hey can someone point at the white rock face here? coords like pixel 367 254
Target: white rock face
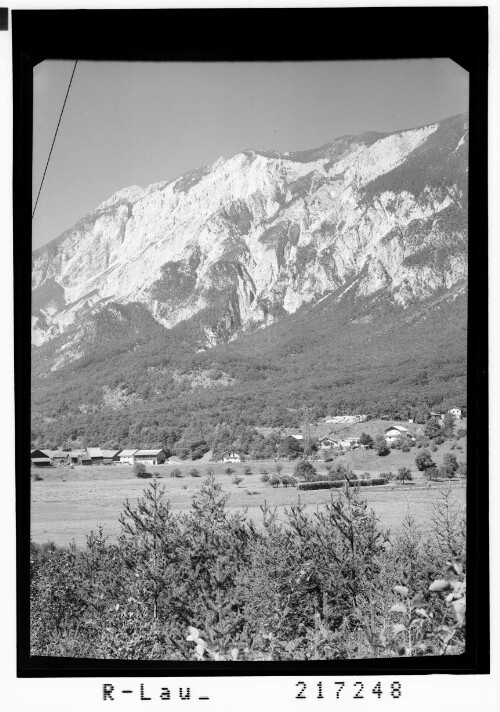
pixel 261 231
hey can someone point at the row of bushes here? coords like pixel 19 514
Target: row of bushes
pixel 333 484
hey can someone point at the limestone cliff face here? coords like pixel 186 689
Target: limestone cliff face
pixel 255 236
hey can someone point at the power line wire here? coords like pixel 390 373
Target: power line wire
pixel 54 139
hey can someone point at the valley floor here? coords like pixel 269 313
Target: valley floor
pixel 68 503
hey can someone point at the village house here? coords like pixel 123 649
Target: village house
pixel 396 432
pixel 456 413
pixel 40 459
pixel 108 456
pixel 126 457
pixel 328 443
pixel 95 454
pixel 231 456
pixel 75 456
pixel 58 457
pixel 151 457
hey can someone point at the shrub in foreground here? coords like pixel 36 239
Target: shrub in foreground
pixel 209 585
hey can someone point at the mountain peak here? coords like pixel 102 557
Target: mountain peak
pixel 239 244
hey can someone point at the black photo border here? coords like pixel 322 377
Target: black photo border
pixel 459 33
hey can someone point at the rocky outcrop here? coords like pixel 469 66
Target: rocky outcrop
pixel 260 234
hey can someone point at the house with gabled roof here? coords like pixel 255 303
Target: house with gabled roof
pixel 108 456
pixel 95 454
pixel 39 458
pixel 76 455
pixel 396 432
pixel 58 457
pixel 328 443
pixel 151 457
pixel 126 457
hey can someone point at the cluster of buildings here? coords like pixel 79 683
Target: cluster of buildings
pixel 391 434
pixel 346 418
pixel 96 456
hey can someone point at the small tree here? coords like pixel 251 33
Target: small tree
pixel 449 466
pixel 194 472
pixel 432 428
pixel 424 461
pixel 176 472
pixel 431 472
pixel 305 470
pixel 340 472
pixel 448 425
pixel 236 480
pixel 380 445
pixel 404 474
pixel 247 470
pixel 265 477
pixel 366 440
pixel 275 481
pixel 229 471
pixel 462 469
pixel 279 468
pixel 139 469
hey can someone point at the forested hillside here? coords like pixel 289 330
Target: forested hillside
pixel 152 385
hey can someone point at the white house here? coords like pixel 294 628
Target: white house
pixel 126 457
pixel 456 413
pixel 231 456
pixel 298 436
pixel 150 457
pixel 396 432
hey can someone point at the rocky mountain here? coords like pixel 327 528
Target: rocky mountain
pixel 241 244
pixel 242 291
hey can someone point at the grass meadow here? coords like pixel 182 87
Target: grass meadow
pixel 69 502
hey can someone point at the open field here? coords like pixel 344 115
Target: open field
pixel 68 503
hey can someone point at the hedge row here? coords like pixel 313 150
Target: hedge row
pixel 333 484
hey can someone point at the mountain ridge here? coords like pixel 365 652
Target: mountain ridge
pixel 280 231
pixel 356 240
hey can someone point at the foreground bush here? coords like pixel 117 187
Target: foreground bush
pixel 210 585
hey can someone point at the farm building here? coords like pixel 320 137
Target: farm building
pixel 396 432
pixel 151 457
pixel 95 454
pixel 76 455
pixel 126 457
pixel 58 457
pixel 456 413
pixel 40 459
pixel 231 456
pixel 84 459
pixel 110 456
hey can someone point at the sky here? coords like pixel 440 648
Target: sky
pixel 136 123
